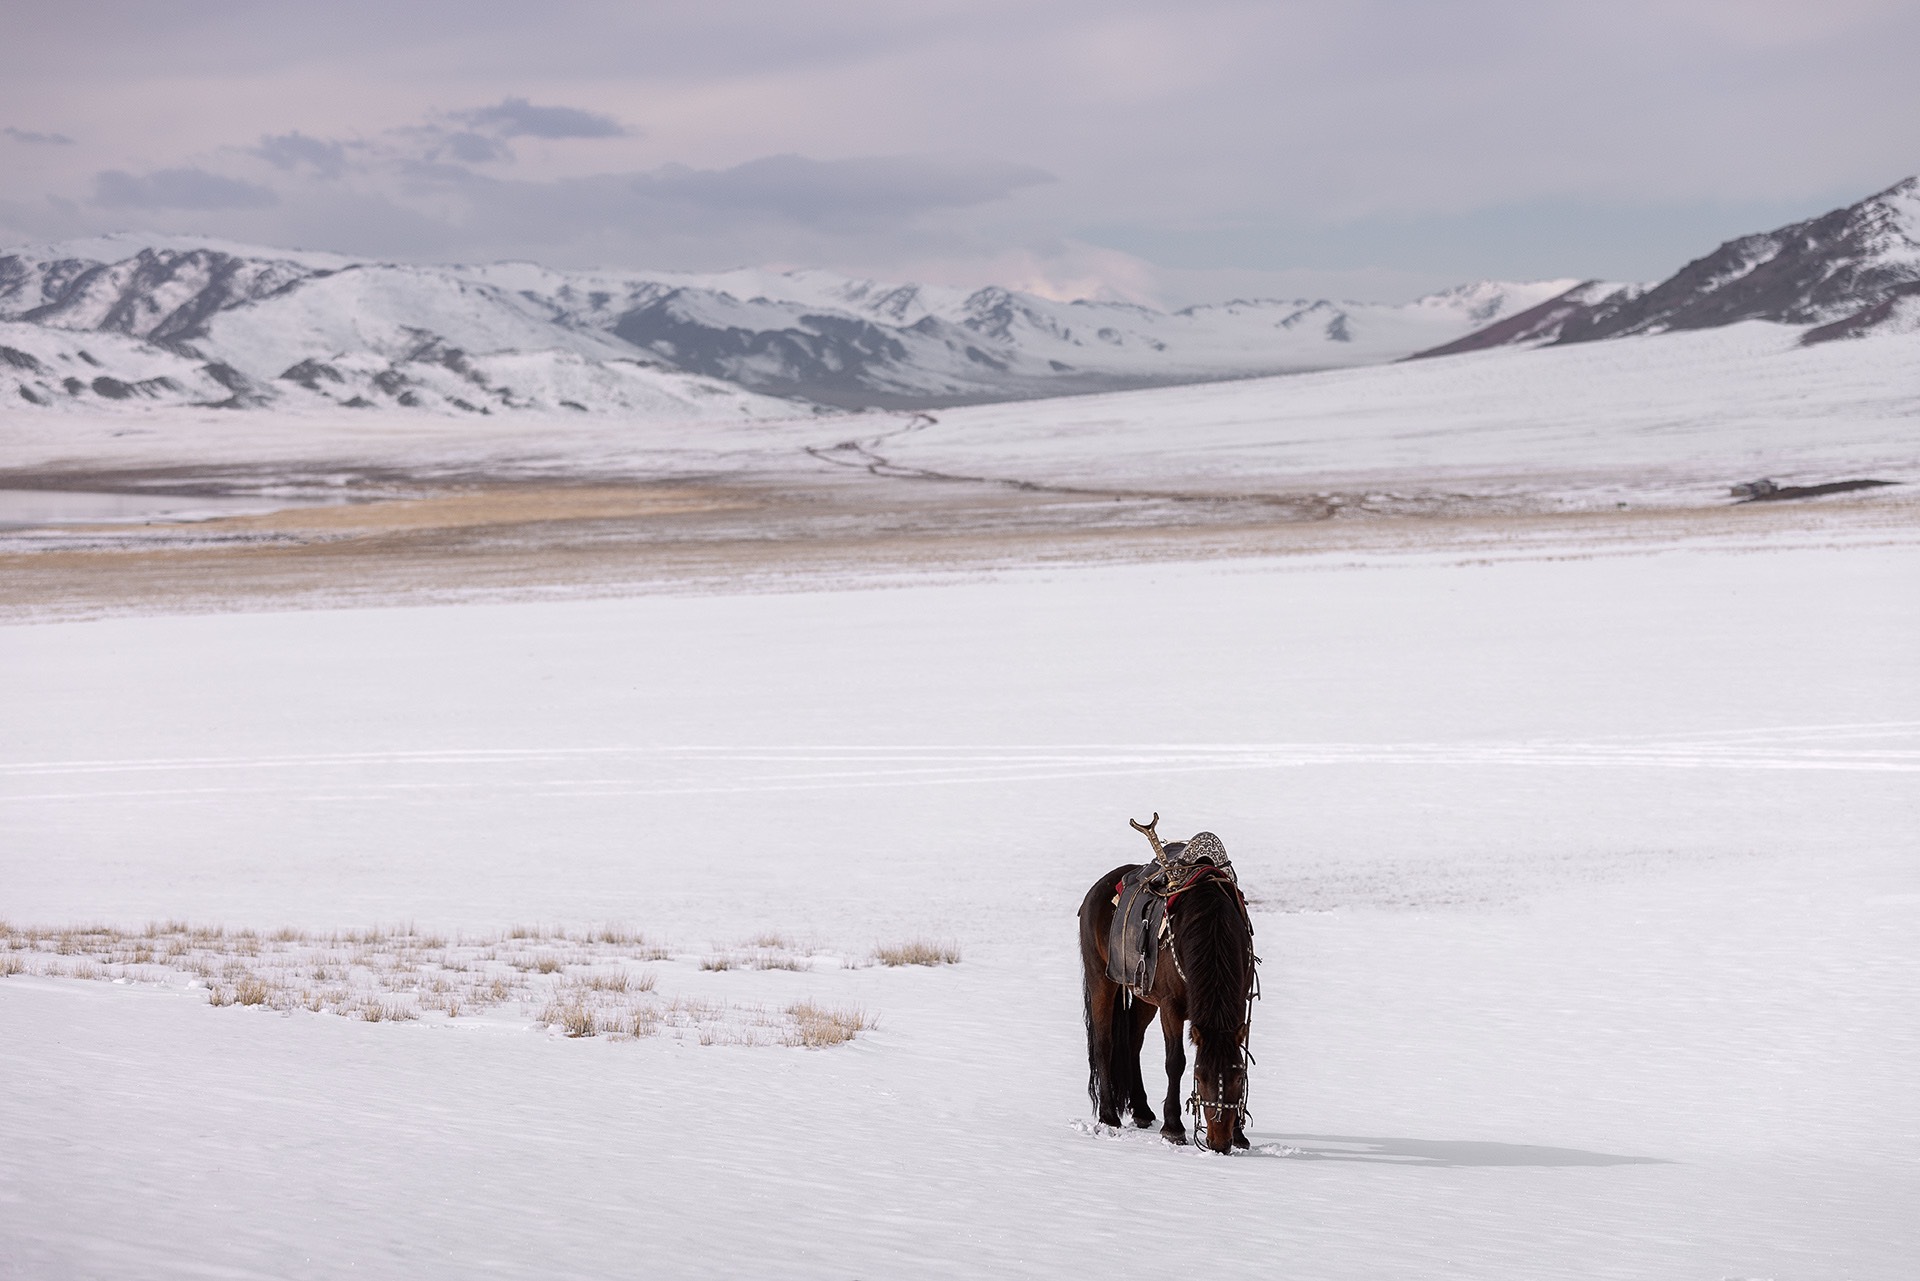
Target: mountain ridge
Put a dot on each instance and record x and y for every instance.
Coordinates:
(1847, 273)
(301, 326)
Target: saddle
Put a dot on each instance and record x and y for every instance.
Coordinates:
(1143, 897)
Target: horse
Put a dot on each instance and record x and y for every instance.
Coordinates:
(1204, 977)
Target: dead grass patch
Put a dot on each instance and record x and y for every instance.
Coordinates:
(608, 981)
(917, 952)
(816, 1026)
(581, 984)
(573, 1018)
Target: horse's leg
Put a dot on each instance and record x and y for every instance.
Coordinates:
(1173, 1027)
(1141, 1108)
(1103, 996)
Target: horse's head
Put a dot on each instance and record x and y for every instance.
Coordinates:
(1219, 1099)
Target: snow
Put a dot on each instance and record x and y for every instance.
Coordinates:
(1584, 887)
(39, 362)
(283, 307)
(1667, 419)
(1583, 871)
(1677, 407)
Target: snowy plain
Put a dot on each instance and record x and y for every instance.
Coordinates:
(1584, 874)
(1585, 889)
(1664, 419)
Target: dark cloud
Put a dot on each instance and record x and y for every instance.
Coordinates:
(44, 139)
(178, 189)
(518, 118)
(291, 150)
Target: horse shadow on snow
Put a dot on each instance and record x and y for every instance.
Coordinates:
(1452, 1154)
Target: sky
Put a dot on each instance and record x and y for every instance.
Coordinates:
(1164, 153)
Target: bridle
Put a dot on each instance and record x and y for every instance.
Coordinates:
(1203, 1110)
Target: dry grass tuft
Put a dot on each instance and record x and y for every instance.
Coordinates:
(251, 991)
(547, 963)
(375, 1010)
(572, 1017)
(612, 981)
(717, 963)
(774, 961)
(917, 952)
(816, 1026)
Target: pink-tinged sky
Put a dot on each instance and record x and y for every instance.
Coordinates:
(1159, 151)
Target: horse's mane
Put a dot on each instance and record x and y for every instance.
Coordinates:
(1215, 958)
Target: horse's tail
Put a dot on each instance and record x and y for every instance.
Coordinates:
(1113, 1069)
(1093, 1053)
(1090, 975)
(1121, 1064)
(1125, 1068)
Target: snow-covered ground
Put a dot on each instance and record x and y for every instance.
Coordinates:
(1672, 418)
(1586, 891)
(1667, 407)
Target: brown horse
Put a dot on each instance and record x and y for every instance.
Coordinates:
(1203, 977)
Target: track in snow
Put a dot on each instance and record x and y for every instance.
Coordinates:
(1886, 747)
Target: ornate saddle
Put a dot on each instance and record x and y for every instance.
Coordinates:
(1143, 897)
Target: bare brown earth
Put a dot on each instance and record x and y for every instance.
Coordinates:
(404, 540)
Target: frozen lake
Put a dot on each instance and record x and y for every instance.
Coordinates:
(37, 508)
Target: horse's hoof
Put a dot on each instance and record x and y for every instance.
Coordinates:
(1144, 1120)
(1240, 1141)
(1175, 1137)
(1110, 1119)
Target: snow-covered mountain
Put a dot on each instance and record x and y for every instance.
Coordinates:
(1847, 273)
(301, 328)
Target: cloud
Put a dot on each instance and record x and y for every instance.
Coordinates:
(178, 189)
(863, 191)
(44, 139)
(291, 150)
(518, 118)
(472, 148)
(836, 198)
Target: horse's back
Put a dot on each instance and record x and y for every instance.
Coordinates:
(1096, 915)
